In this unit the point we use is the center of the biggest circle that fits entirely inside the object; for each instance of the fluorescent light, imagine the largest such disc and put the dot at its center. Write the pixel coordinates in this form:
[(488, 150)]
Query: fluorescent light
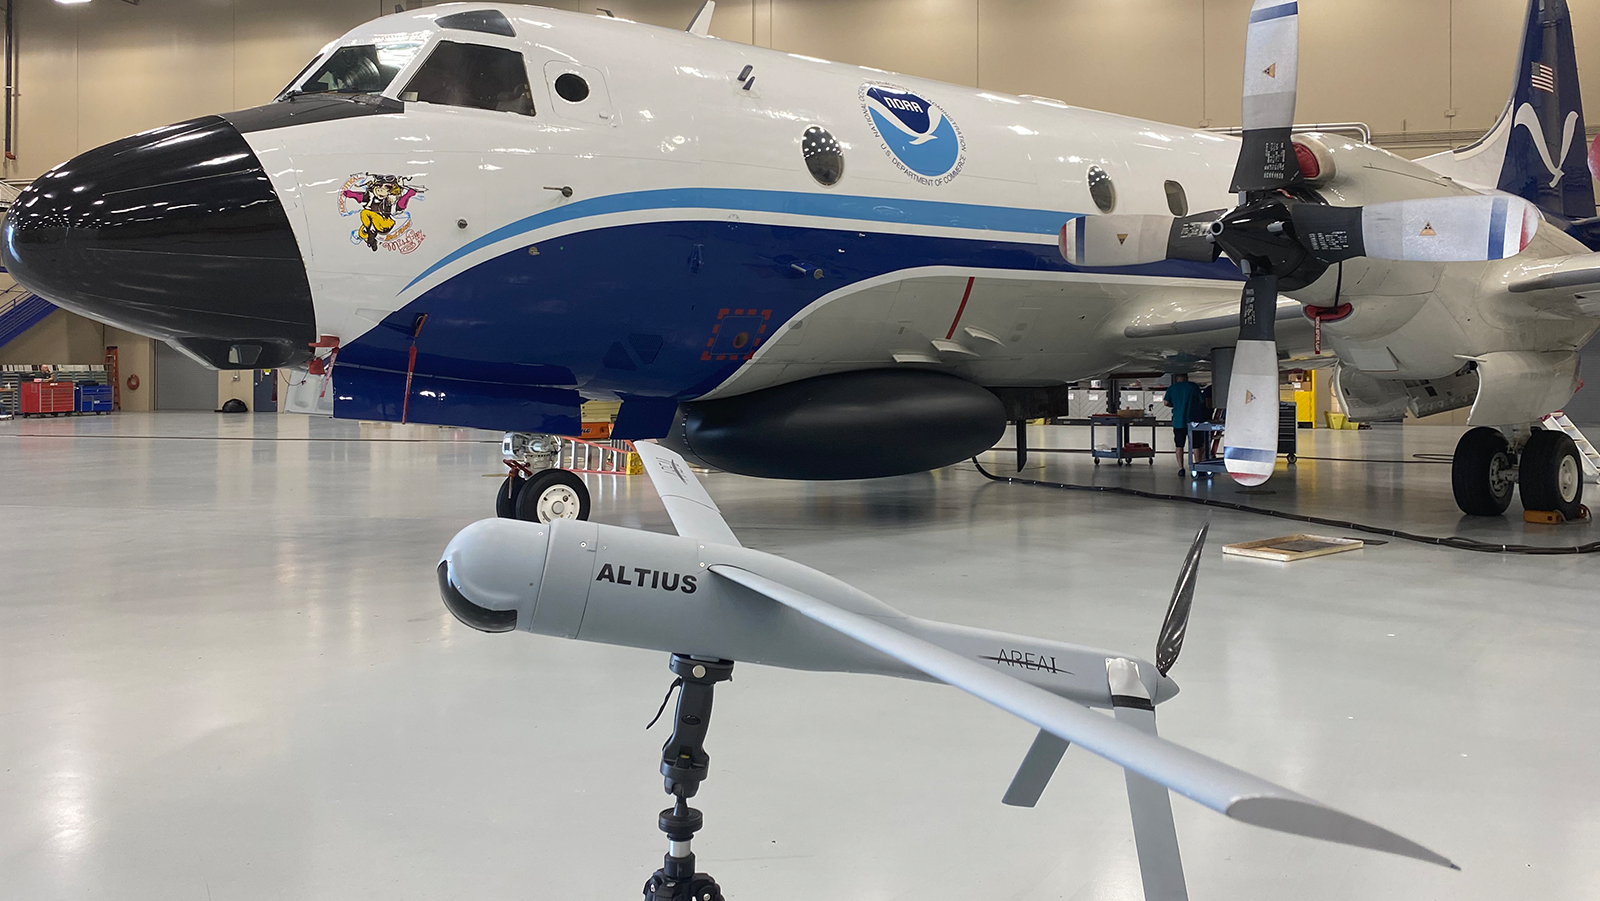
[(71, 2)]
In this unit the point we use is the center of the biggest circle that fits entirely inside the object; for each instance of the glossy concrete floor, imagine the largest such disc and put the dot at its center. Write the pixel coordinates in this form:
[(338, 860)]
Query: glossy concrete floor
[(225, 673)]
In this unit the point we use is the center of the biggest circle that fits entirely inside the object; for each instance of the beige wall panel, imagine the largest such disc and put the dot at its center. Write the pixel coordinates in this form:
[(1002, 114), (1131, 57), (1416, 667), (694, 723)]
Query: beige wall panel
[(152, 64), (1375, 61), (1389, 76), (273, 41), (1486, 47), (236, 384), (1225, 22), (47, 88), (60, 337), (929, 38), (1137, 57), (136, 355)]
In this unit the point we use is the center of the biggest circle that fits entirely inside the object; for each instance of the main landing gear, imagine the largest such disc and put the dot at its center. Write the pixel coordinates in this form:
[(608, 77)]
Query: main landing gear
[(535, 490), (1547, 469), (684, 764)]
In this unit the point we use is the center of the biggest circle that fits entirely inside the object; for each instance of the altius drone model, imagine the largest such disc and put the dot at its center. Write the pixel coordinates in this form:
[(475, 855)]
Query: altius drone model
[(485, 214), (709, 601)]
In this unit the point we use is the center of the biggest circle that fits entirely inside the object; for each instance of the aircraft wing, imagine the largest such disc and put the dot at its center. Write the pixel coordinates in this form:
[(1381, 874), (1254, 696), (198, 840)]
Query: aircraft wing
[(694, 514), (1216, 785), (1572, 276), (1211, 316)]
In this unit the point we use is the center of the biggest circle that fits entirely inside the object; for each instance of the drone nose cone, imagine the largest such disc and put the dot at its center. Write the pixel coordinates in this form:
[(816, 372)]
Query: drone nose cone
[(175, 233), (490, 573)]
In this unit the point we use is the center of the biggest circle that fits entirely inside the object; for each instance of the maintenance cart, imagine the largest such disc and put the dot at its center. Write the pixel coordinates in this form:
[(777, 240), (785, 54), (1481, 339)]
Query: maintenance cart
[(1125, 449)]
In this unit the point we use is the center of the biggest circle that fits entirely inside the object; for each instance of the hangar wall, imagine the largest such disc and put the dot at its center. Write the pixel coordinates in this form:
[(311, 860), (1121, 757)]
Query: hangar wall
[(89, 73)]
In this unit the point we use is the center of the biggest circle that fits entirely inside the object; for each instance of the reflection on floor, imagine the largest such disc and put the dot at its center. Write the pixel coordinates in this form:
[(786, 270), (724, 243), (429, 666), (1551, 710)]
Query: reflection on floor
[(225, 673)]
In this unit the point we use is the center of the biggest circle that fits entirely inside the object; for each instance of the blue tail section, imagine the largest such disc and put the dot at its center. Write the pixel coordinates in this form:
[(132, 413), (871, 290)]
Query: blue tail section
[(23, 315), (1546, 160)]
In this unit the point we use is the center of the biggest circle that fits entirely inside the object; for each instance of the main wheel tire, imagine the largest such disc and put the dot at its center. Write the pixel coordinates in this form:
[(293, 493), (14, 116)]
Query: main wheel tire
[(553, 494), (1480, 473), (1552, 474), (505, 502)]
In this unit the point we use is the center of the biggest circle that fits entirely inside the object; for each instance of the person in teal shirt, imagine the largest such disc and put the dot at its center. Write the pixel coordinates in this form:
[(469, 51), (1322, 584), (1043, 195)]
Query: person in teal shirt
[(1184, 399)]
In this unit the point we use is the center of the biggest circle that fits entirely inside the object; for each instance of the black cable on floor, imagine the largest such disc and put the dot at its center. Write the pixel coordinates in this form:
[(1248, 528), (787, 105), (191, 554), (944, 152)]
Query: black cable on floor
[(1453, 541)]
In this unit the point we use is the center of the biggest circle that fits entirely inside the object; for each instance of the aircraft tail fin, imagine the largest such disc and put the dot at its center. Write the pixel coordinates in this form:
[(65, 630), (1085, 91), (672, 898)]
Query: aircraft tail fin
[(1545, 161), (1536, 149)]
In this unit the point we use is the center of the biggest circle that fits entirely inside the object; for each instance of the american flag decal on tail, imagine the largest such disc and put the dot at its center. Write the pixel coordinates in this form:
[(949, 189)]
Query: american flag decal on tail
[(1544, 78)]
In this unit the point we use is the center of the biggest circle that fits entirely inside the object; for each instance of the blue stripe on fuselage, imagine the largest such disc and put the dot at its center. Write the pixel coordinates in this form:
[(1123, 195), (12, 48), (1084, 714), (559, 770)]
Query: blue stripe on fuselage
[(552, 319), (833, 206)]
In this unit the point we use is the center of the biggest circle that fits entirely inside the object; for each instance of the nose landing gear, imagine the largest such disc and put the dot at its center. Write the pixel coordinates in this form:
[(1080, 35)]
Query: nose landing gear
[(1548, 471), (535, 490)]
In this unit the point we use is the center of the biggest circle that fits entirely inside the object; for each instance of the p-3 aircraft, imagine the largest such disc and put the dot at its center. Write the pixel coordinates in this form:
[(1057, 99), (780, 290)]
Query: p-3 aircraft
[(483, 214)]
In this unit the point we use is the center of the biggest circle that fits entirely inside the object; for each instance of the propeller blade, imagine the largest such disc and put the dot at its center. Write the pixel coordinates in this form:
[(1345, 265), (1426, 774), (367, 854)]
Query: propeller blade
[(1176, 625), (1435, 229), (1271, 64), (1250, 440), (1155, 836), (1103, 242)]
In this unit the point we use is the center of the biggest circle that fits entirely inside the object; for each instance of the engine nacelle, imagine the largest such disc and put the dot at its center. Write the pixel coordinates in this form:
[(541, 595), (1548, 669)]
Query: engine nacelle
[(849, 425)]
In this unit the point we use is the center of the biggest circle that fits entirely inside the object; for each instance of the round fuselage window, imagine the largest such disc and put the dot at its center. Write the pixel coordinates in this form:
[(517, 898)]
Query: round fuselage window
[(823, 155), (1102, 190), (572, 88)]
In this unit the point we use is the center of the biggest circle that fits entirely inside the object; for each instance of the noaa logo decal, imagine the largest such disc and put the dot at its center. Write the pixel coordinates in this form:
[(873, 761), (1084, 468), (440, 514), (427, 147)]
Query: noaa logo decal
[(920, 139)]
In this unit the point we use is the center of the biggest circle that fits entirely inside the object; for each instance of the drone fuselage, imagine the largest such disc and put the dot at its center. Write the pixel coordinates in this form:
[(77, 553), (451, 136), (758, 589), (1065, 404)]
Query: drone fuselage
[(614, 585)]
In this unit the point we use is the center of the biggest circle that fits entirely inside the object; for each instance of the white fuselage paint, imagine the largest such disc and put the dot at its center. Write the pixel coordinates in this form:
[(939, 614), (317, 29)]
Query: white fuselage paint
[(669, 111)]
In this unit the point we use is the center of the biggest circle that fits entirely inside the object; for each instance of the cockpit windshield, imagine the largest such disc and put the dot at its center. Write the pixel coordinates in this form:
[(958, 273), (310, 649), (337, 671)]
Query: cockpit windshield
[(362, 69)]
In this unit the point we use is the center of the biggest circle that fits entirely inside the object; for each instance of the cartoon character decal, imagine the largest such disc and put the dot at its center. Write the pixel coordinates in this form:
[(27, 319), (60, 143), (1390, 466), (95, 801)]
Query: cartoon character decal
[(382, 202)]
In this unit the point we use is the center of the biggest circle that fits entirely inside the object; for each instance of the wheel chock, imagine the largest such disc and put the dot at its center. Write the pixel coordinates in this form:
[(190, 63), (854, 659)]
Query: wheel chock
[(1554, 517)]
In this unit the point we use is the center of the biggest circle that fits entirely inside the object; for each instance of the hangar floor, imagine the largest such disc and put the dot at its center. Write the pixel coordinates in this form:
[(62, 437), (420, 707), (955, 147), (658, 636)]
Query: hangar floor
[(225, 674)]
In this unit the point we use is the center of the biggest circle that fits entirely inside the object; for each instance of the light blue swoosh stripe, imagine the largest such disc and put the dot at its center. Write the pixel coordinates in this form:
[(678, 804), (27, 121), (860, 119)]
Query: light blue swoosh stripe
[(834, 206)]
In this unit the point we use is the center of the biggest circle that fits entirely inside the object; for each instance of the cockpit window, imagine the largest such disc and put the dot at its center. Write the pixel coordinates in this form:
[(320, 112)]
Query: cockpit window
[(488, 21), (363, 69), (474, 76)]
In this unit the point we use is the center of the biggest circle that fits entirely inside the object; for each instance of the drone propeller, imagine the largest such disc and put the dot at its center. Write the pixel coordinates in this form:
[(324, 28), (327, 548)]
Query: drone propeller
[(1170, 643), (1282, 237)]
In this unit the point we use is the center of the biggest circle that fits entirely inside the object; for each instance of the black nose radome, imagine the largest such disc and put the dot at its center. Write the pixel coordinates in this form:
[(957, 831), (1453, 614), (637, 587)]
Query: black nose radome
[(175, 233)]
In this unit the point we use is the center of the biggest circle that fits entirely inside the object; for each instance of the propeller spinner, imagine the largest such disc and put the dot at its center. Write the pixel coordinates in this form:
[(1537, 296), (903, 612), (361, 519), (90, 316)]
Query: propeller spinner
[(1283, 237)]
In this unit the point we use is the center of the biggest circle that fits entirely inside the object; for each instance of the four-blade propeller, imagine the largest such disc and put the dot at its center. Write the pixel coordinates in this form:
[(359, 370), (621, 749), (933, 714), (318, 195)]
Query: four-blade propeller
[(1284, 237)]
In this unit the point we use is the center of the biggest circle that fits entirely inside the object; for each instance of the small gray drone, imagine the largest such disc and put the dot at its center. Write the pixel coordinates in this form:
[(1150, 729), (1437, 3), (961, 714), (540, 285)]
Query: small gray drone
[(709, 601)]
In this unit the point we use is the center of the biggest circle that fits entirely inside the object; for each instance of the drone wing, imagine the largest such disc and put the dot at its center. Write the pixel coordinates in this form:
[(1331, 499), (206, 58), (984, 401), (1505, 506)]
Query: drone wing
[(1212, 783), (694, 514)]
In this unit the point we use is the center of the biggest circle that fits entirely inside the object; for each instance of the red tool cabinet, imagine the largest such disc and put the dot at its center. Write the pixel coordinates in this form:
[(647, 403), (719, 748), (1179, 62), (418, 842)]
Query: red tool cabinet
[(39, 396)]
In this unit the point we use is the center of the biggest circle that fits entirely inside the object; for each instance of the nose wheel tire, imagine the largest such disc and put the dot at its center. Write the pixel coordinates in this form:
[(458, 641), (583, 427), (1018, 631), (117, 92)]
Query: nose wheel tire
[(552, 494), (1552, 474), (1481, 474), (505, 502)]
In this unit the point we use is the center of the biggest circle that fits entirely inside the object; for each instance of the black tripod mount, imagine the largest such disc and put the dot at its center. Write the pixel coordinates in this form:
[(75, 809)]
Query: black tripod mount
[(684, 764)]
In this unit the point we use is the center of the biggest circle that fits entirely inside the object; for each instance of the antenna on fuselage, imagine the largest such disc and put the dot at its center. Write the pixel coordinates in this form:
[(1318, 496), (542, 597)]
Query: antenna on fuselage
[(701, 25)]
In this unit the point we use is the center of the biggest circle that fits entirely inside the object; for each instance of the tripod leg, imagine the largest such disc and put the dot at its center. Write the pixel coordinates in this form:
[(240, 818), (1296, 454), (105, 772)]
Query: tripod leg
[(684, 765)]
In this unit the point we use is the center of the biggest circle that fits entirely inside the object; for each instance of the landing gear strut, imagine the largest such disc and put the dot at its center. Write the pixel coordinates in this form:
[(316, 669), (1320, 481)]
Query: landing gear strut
[(1548, 471), (684, 764), (535, 490)]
